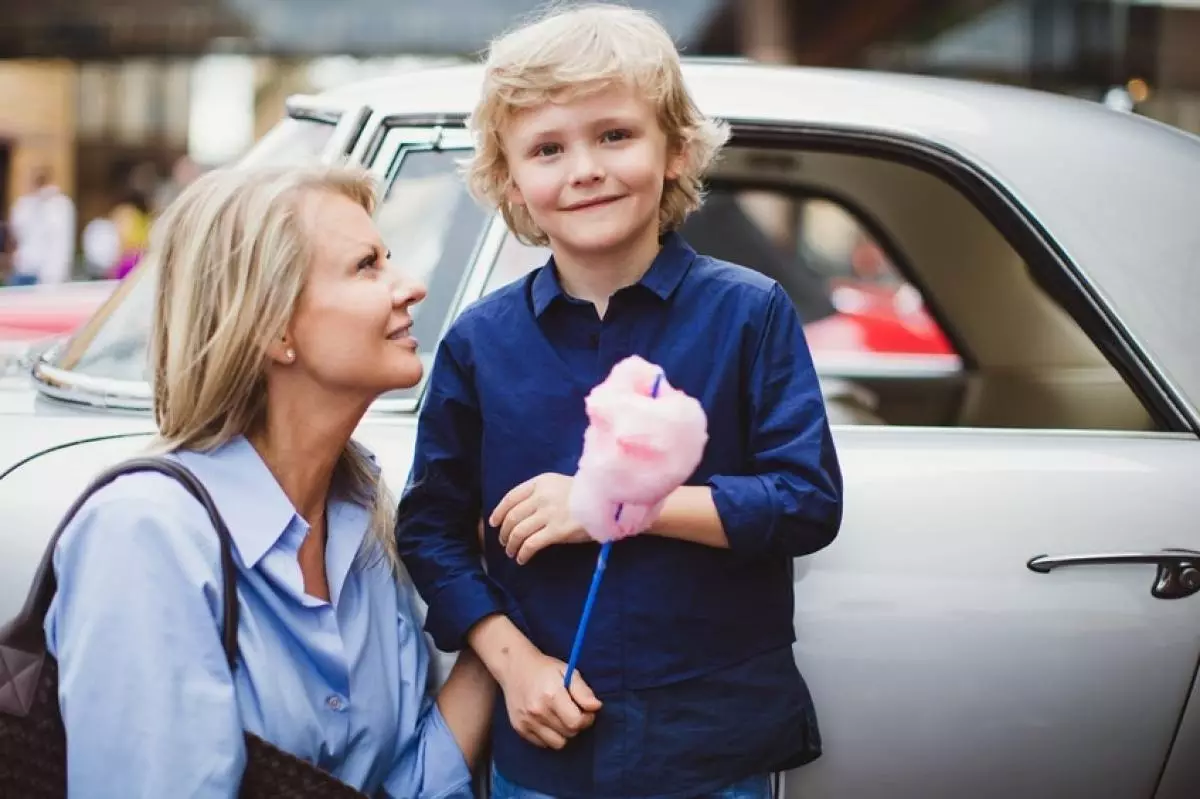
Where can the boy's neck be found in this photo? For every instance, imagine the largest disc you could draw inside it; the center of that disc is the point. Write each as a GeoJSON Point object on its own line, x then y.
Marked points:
{"type": "Point", "coordinates": [595, 276]}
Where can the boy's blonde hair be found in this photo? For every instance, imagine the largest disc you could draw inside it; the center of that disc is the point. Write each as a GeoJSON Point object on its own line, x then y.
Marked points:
{"type": "Point", "coordinates": [230, 257]}
{"type": "Point", "coordinates": [573, 52]}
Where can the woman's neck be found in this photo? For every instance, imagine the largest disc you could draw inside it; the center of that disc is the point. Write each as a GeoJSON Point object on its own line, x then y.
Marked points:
{"type": "Point", "coordinates": [302, 450]}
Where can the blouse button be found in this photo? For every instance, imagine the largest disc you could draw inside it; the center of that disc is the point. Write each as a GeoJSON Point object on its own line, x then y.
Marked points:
{"type": "Point", "coordinates": [335, 703]}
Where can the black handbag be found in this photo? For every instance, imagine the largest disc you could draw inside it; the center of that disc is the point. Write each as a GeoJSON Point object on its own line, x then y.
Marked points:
{"type": "Point", "coordinates": [33, 751]}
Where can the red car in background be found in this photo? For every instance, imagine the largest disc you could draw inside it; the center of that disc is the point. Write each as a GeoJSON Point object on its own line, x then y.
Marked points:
{"type": "Point", "coordinates": [30, 314]}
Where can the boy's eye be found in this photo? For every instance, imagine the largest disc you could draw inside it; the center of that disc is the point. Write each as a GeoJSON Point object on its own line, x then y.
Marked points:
{"type": "Point", "coordinates": [546, 150]}
{"type": "Point", "coordinates": [615, 135]}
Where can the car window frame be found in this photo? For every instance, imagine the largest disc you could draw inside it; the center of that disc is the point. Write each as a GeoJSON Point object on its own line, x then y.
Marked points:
{"type": "Point", "coordinates": [1048, 265]}
{"type": "Point", "coordinates": [393, 141]}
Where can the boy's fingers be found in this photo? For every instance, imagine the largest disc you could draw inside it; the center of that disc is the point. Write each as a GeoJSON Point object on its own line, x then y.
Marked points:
{"type": "Point", "coordinates": [581, 692]}
{"type": "Point", "coordinates": [518, 494]}
{"type": "Point", "coordinates": [517, 514]}
{"type": "Point", "coordinates": [521, 522]}
{"type": "Point", "coordinates": [569, 713]}
{"type": "Point", "coordinates": [548, 737]}
{"type": "Point", "coordinates": [533, 544]}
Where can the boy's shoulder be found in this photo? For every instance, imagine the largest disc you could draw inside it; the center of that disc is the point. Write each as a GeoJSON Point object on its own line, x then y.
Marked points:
{"type": "Point", "coordinates": [498, 309]}
{"type": "Point", "coordinates": [713, 272]}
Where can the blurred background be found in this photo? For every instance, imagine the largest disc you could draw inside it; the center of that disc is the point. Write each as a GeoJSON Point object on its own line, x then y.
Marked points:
{"type": "Point", "coordinates": [110, 106]}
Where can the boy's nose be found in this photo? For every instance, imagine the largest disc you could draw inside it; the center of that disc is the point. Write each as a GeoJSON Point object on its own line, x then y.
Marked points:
{"type": "Point", "coordinates": [586, 169]}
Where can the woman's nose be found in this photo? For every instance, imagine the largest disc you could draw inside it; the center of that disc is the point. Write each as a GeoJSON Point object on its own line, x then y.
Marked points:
{"type": "Point", "coordinates": [407, 291]}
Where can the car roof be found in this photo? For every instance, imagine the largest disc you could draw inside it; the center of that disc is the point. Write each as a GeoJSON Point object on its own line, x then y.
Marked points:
{"type": "Point", "coordinates": [1116, 191]}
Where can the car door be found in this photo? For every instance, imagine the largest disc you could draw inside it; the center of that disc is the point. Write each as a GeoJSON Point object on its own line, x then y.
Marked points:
{"type": "Point", "coordinates": [1005, 612]}
{"type": "Point", "coordinates": [943, 665]}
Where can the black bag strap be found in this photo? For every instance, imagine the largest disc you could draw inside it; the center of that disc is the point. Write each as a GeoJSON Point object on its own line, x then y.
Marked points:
{"type": "Point", "coordinates": [26, 630]}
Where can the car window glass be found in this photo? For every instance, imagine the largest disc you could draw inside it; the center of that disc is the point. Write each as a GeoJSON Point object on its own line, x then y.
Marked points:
{"type": "Point", "coordinates": [432, 226]}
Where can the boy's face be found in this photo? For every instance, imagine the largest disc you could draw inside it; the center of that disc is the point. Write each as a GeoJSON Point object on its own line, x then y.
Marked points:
{"type": "Point", "coordinates": [590, 171]}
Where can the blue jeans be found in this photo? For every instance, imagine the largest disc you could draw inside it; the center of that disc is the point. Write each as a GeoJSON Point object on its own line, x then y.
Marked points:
{"type": "Point", "coordinates": [751, 788]}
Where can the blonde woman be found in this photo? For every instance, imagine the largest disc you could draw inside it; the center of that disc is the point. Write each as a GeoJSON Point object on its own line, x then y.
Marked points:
{"type": "Point", "coordinates": [279, 317]}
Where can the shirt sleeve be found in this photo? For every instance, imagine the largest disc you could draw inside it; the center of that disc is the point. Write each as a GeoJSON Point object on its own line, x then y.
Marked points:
{"type": "Point", "coordinates": [146, 694]}
{"type": "Point", "coordinates": [431, 765]}
{"type": "Point", "coordinates": [438, 517]}
{"type": "Point", "coordinates": [788, 499]}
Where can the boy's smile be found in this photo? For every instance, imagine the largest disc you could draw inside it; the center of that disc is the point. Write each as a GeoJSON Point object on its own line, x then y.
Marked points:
{"type": "Point", "coordinates": [590, 171]}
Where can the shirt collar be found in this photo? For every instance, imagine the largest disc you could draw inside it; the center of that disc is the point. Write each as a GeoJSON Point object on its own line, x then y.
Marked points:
{"type": "Point", "coordinates": [250, 500]}
{"type": "Point", "coordinates": [665, 274]}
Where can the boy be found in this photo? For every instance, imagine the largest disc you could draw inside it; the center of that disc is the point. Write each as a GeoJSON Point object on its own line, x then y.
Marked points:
{"type": "Point", "coordinates": [588, 141]}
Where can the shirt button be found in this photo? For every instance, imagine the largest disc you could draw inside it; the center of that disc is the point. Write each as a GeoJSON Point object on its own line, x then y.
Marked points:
{"type": "Point", "coordinates": [335, 703]}
{"type": "Point", "coordinates": [594, 339]}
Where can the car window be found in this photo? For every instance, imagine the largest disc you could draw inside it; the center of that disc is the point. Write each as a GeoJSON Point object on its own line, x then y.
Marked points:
{"type": "Point", "coordinates": [878, 311]}
{"type": "Point", "coordinates": [432, 226]}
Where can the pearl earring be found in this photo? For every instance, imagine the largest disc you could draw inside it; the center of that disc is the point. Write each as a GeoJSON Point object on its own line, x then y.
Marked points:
{"type": "Point", "coordinates": [290, 355]}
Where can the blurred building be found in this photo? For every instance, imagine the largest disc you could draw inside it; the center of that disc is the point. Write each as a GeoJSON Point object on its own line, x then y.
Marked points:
{"type": "Point", "coordinates": [110, 93]}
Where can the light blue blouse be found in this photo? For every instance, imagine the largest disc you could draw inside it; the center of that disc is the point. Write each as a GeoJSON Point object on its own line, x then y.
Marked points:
{"type": "Point", "coordinates": [150, 706]}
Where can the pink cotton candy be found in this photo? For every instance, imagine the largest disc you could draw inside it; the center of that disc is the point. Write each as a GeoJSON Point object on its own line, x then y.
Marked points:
{"type": "Point", "coordinates": [636, 451]}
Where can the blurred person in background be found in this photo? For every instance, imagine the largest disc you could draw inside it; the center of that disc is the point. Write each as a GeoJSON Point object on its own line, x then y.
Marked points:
{"type": "Point", "coordinates": [6, 252]}
{"type": "Point", "coordinates": [42, 225]}
{"type": "Point", "coordinates": [131, 216]}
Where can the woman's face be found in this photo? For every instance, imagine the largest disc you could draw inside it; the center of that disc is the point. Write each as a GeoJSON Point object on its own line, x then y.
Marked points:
{"type": "Point", "coordinates": [350, 330]}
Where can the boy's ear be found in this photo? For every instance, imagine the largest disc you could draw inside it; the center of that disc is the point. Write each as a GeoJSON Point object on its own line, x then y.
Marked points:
{"type": "Point", "coordinates": [676, 162]}
{"type": "Point", "coordinates": [513, 194]}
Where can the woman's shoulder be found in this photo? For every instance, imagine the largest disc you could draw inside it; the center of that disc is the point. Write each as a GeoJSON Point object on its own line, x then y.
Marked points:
{"type": "Point", "coordinates": [147, 515]}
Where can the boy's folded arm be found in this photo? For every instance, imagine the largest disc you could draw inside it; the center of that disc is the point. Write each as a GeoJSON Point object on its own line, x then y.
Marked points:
{"type": "Point", "coordinates": [437, 521]}
{"type": "Point", "coordinates": [788, 501]}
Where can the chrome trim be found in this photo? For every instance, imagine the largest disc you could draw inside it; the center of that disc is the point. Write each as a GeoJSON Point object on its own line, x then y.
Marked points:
{"type": "Point", "coordinates": [99, 392]}
{"type": "Point", "coordinates": [1044, 564]}
{"type": "Point", "coordinates": [485, 262]}
{"type": "Point", "coordinates": [346, 134]}
{"type": "Point", "coordinates": [883, 367]}
{"type": "Point", "coordinates": [308, 106]}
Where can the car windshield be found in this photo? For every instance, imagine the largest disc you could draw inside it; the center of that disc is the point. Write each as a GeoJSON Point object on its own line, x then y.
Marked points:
{"type": "Point", "coordinates": [426, 218]}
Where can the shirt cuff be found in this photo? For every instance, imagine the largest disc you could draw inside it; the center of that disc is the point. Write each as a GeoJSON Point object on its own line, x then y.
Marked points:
{"type": "Point", "coordinates": [446, 771]}
{"type": "Point", "coordinates": [748, 512]}
{"type": "Point", "coordinates": [458, 606]}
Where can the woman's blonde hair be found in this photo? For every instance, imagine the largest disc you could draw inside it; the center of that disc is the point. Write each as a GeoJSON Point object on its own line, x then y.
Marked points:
{"type": "Point", "coordinates": [572, 52]}
{"type": "Point", "coordinates": [230, 257]}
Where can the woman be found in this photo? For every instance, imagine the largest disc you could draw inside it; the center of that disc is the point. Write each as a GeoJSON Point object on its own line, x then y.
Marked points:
{"type": "Point", "coordinates": [279, 318]}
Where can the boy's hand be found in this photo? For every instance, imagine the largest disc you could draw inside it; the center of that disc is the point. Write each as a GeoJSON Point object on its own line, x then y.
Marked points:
{"type": "Point", "coordinates": [540, 709]}
{"type": "Point", "coordinates": [534, 515]}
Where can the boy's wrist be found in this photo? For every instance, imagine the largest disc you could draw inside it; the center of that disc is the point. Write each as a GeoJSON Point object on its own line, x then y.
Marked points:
{"type": "Point", "coordinates": [500, 645]}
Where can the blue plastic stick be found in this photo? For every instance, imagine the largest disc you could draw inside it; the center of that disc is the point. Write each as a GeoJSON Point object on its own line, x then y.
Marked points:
{"type": "Point", "coordinates": [597, 575]}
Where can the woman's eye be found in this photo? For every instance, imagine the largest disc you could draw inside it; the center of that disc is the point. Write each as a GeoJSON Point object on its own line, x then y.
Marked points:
{"type": "Point", "coordinates": [546, 150]}
{"type": "Point", "coordinates": [370, 262]}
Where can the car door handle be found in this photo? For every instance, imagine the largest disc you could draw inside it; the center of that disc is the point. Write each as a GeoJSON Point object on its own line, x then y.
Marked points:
{"type": "Point", "coordinates": [1178, 569]}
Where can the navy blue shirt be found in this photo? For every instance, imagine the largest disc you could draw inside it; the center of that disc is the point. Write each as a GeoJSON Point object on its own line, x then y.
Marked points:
{"type": "Point", "coordinates": [676, 621]}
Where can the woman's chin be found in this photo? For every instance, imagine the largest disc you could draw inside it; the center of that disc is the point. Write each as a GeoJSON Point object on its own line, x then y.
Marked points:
{"type": "Point", "coordinates": [406, 376]}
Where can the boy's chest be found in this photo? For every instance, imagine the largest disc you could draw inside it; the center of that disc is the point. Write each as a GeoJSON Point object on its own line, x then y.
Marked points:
{"type": "Point", "coordinates": [532, 390]}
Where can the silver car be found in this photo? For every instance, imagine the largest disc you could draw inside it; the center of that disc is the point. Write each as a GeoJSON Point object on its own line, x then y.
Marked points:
{"type": "Point", "coordinates": [1011, 607]}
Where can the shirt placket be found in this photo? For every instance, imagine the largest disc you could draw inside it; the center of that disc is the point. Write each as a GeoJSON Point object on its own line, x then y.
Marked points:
{"type": "Point", "coordinates": [611, 747]}
{"type": "Point", "coordinates": [336, 702]}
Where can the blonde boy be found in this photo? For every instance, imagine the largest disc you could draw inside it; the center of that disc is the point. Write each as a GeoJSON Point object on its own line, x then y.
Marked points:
{"type": "Point", "coordinates": [588, 141]}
